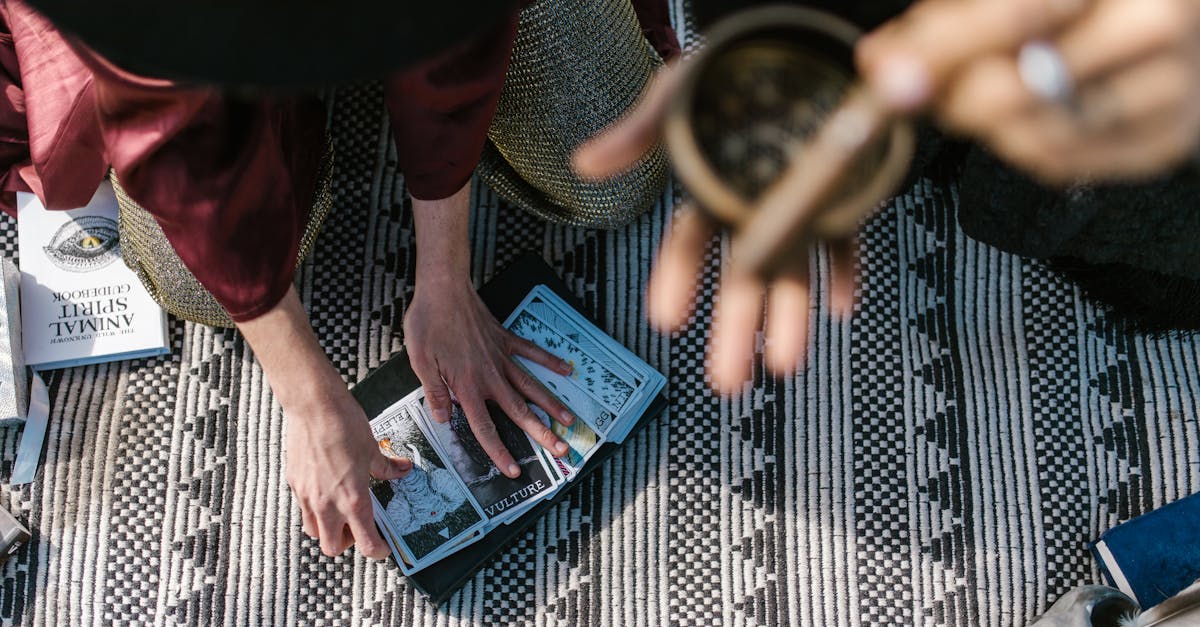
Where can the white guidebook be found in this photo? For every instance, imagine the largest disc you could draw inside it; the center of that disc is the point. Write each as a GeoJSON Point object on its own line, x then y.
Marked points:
{"type": "Point", "coordinates": [14, 384]}
{"type": "Point", "coordinates": [80, 303]}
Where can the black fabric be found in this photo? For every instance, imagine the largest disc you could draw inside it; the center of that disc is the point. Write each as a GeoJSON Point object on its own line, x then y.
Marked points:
{"type": "Point", "coordinates": [1133, 247]}
{"type": "Point", "coordinates": [270, 43]}
{"type": "Point", "coordinates": [1143, 300]}
{"type": "Point", "coordinates": [866, 15]}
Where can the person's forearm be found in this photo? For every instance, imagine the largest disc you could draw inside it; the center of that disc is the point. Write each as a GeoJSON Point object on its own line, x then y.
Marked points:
{"type": "Point", "coordinates": [331, 452]}
{"type": "Point", "coordinates": [443, 249]}
{"type": "Point", "coordinates": [284, 343]}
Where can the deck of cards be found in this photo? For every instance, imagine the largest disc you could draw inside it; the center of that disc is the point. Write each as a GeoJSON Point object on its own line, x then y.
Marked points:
{"type": "Point", "coordinates": [454, 494]}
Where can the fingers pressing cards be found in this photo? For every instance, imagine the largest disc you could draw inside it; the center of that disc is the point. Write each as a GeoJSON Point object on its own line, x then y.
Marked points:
{"type": "Point", "coordinates": [455, 495]}
{"type": "Point", "coordinates": [610, 387]}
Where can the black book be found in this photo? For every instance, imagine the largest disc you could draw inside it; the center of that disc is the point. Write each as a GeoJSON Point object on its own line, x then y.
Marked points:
{"type": "Point", "coordinates": [395, 379]}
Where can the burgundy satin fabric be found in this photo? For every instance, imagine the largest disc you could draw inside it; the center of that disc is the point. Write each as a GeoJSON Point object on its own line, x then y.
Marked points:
{"type": "Point", "coordinates": [230, 178]}
{"type": "Point", "coordinates": [48, 128]}
{"type": "Point", "coordinates": [440, 112]}
{"type": "Point", "coordinates": [655, 19]}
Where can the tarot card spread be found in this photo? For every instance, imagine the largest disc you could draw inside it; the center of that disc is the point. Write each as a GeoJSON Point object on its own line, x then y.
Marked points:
{"type": "Point", "coordinates": [429, 507]}
{"type": "Point", "coordinates": [455, 495]}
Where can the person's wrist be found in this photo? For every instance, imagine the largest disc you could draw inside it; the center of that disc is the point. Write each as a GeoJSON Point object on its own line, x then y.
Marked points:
{"type": "Point", "coordinates": [443, 281]}
{"type": "Point", "coordinates": [311, 391]}
{"type": "Point", "coordinates": [443, 253]}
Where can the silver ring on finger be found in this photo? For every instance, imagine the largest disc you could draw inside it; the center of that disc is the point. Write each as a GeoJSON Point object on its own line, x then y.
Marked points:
{"type": "Point", "coordinates": [1044, 72]}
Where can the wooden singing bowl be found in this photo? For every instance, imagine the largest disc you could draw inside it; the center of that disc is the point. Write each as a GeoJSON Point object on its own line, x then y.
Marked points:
{"type": "Point", "coordinates": [751, 101]}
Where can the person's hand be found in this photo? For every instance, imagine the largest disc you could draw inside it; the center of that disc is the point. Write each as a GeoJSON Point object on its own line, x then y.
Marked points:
{"type": "Point", "coordinates": [456, 345]}
{"type": "Point", "coordinates": [740, 301]}
{"type": "Point", "coordinates": [331, 454]}
{"type": "Point", "coordinates": [741, 297]}
{"type": "Point", "coordinates": [331, 457]}
{"type": "Point", "coordinates": [1133, 107]}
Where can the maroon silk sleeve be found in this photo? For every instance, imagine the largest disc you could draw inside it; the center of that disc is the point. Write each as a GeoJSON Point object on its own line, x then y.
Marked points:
{"type": "Point", "coordinates": [230, 180]}
{"type": "Point", "coordinates": [14, 135]}
{"type": "Point", "coordinates": [49, 141]}
{"type": "Point", "coordinates": [655, 18]}
{"type": "Point", "coordinates": [440, 111]}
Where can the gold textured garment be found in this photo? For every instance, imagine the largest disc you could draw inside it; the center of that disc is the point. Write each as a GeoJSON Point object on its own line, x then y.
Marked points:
{"type": "Point", "coordinates": [146, 250]}
{"type": "Point", "coordinates": [577, 66]}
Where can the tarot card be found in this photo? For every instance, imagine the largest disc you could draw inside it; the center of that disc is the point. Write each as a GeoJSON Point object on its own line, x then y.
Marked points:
{"type": "Point", "coordinates": [548, 459]}
{"type": "Point", "coordinates": [624, 358]}
{"type": "Point", "coordinates": [648, 381]}
{"type": "Point", "coordinates": [384, 530]}
{"type": "Point", "coordinates": [547, 305]}
{"type": "Point", "coordinates": [548, 462]}
{"type": "Point", "coordinates": [590, 373]}
{"type": "Point", "coordinates": [516, 514]}
{"type": "Point", "coordinates": [430, 506]}
{"type": "Point", "coordinates": [492, 489]}
{"type": "Point", "coordinates": [628, 418]}
{"type": "Point", "coordinates": [402, 559]}
{"type": "Point", "coordinates": [585, 406]}
{"type": "Point", "coordinates": [457, 546]}
{"type": "Point", "coordinates": [551, 309]}
{"type": "Point", "coordinates": [609, 371]}
{"type": "Point", "coordinates": [566, 472]}
{"type": "Point", "coordinates": [581, 441]}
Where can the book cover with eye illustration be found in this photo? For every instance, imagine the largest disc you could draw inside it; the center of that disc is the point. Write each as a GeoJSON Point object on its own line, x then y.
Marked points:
{"type": "Point", "coordinates": [80, 303]}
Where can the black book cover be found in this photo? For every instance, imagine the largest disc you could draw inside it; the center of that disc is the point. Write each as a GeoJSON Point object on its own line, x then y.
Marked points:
{"type": "Point", "coordinates": [395, 378]}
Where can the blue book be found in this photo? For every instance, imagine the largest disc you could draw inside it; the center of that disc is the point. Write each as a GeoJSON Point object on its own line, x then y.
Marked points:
{"type": "Point", "coordinates": [1154, 556]}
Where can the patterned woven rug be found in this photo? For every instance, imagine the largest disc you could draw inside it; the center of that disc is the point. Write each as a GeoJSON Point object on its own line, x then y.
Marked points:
{"type": "Point", "coordinates": [943, 459]}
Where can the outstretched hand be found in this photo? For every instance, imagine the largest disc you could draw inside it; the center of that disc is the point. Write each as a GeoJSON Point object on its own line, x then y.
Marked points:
{"type": "Point", "coordinates": [332, 456]}
{"type": "Point", "coordinates": [1129, 108]}
{"type": "Point", "coordinates": [741, 300]}
{"type": "Point", "coordinates": [741, 296]}
{"type": "Point", "coordinates": [331, 453]}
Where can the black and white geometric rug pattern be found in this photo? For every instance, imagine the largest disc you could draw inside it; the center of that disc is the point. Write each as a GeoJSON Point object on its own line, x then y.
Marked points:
{"type": "Point", "coordinates": [943, 459]}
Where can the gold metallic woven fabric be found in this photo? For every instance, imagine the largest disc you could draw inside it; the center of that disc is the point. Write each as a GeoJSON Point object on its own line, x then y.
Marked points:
{"type": "Point", "coordinates": [146, 250]}
{"type": "Point", "coordinates": [576, 67]}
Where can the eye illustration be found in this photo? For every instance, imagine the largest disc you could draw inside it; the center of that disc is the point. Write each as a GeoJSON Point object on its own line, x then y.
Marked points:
{"type": "Point", "coordinates": [85, 244]}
